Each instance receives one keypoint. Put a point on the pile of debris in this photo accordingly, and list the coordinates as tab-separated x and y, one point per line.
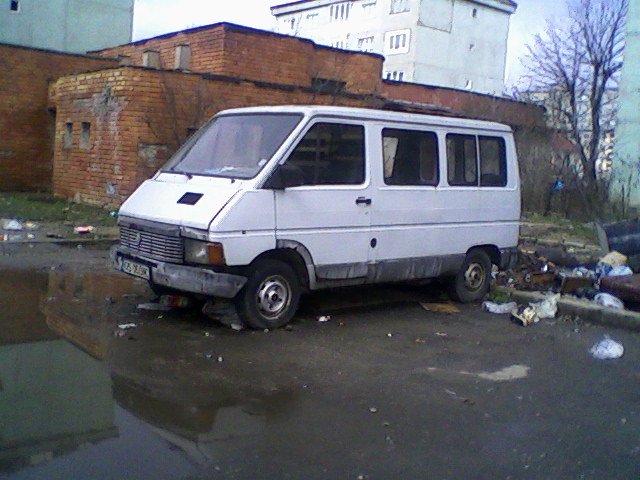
612	279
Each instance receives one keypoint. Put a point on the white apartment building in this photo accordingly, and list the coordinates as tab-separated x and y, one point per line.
451	43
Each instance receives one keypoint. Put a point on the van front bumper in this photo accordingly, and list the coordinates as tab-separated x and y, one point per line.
181	277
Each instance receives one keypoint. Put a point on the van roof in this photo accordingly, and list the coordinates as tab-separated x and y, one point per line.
373	114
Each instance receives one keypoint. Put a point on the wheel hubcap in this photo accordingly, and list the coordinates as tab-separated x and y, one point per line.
474	277
274	296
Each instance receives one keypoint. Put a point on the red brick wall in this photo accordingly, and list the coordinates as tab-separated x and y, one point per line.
474	105
25	121
232	50
138	117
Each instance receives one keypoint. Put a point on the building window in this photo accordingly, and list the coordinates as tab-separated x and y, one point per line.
183	57
67	138
396	75
339	12
474	13
151	59
342	44
397	41
365	44
410	157
399	6
369	9
85	135
14	6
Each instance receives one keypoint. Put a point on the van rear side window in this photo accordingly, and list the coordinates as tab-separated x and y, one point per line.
330	154
462	163
493	162
410	157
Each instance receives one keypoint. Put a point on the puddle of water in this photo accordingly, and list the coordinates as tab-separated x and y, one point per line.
64	413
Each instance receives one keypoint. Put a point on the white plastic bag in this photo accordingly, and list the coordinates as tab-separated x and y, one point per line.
609	301
607	349
547	308
500	308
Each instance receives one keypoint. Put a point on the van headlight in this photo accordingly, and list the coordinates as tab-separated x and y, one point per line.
204	253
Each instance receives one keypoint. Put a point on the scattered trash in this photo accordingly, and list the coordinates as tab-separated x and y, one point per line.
83	230
420	340
10	224
609	301
220	359
30	236
323	318
500	308
546	308
389	334
571	284
447	308
154	306
31	225
620	271
179	301
626	288
205	334
373	409
615	259
54	235
525	316
440	334
607	349
558	257
126	326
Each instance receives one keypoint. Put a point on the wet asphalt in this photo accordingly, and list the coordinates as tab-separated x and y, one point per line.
91	387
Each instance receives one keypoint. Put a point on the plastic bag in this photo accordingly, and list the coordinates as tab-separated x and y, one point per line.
546	308
607	349
621	271
500	308
609	301
615	259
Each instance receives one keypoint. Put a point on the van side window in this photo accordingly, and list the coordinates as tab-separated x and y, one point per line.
493	162
410	157
330	154
462	167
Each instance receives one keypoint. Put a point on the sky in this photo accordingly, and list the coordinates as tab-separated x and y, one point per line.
156	17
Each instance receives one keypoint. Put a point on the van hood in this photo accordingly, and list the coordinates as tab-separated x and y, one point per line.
183	204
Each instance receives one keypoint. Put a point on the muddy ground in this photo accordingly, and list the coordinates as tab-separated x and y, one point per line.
384	389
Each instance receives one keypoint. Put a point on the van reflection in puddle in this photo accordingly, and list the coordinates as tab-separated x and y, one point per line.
203	424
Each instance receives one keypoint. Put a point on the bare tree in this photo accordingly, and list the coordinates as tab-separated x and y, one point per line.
572	69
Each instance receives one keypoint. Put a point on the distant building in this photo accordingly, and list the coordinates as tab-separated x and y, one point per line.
625	184
72	26
451	43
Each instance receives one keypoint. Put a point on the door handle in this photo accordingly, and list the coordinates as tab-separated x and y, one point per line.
362	200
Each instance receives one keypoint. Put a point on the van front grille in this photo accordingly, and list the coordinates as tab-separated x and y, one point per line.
154	246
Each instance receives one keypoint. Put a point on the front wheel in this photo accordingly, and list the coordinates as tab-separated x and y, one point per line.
271	295
474	278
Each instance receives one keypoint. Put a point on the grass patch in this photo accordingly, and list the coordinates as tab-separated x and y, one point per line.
42	207
569	227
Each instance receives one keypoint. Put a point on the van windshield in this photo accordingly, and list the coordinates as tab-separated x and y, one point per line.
233	146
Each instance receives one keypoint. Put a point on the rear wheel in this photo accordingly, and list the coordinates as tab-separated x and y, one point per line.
474	278
271	295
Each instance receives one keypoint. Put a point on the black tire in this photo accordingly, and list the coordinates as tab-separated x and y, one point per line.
473	280
270	297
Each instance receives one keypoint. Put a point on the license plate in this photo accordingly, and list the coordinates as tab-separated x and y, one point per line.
136	269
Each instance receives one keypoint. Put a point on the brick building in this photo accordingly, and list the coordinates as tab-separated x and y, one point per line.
117	122
26	122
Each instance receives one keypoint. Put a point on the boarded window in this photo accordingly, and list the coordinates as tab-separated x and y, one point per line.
410	157
462	166
67	138
493	162
85	135
399	6
151	59
183	57
330	154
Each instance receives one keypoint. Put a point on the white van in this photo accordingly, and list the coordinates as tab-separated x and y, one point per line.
264	203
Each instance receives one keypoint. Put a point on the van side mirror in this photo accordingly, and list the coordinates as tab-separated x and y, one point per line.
283	177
